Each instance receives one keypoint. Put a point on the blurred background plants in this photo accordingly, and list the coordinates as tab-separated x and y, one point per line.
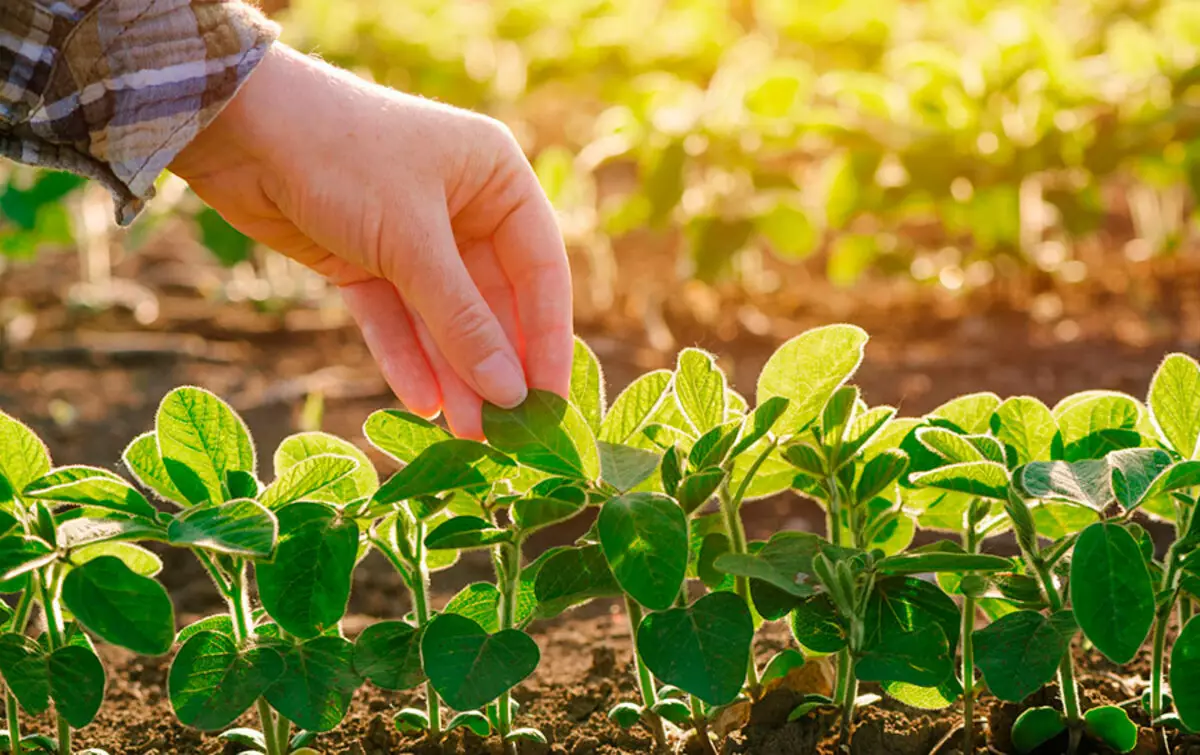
944	140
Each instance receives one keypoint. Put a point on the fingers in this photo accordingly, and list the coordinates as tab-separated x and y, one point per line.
461	405
530	249
435	283
388	332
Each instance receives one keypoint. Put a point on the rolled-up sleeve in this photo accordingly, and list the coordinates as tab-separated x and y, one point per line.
114	89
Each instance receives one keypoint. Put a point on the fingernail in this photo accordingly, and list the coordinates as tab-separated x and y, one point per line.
501	380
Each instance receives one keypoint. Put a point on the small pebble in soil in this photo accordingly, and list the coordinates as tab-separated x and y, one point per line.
585	746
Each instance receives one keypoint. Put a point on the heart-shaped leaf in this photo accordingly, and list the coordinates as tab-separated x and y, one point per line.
479	602
816	625
307	586
912	632
1035	727
808	369
1111	591
120	606
76	683
546	433
1019	653
239	528
703	649
573	576
212	682
317	683
201	438
448	465
1111	725
23	666
401	435
388	655
644	538
469	667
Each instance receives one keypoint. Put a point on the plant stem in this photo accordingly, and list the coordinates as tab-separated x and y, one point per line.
243	627
267	720
851	696
645	681
834	517
1186	610
737	544
971	542
419	588
700	722
283	734
508	569
1161	619
1066	667
56	636
19	621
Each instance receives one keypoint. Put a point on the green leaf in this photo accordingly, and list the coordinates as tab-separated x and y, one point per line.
712	547
80	532
23	666
587	385
984	479
970	414
922	563
1182	475
239	528
816	625
712	448
880	472
1111	591
781	664
625	715
760	422
645	541
1094	423
120	606
1184	673
401	435
808	369
479	602
463	532
1026	428
306	477
703	649
359	484
573	576
469	667
925	698
448	465
635	407
675	711
145	463
525	734
837	414
23	456
698	488
546	433
90	486
805	458
625	467
473	720
21	554
1035	727
1087	482
700	389
414	721
200	439
864	429
1111	725
307	586
212	682
787	226
1134	471
388	655
137	558
76	684
535	513
912	630
1057	520
1019	653
317	683
220	623
1174	403
244	737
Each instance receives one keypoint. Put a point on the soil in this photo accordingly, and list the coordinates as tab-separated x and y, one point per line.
89	380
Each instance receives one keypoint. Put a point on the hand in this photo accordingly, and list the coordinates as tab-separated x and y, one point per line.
428	218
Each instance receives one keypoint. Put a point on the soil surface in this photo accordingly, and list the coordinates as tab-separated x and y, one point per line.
89	380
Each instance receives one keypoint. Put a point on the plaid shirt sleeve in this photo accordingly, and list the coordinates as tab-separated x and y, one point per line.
114	89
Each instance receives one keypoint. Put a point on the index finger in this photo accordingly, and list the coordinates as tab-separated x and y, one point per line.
531	252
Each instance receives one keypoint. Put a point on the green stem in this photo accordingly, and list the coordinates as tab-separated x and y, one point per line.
700	722
20	620
267	720
645	681
419	587
834	517
851	696
243	627
56	636
971	541
737	544
283	734
1066	667
1186	610
1161	619
508	569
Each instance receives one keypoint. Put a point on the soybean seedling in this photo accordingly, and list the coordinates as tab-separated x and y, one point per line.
65	545
296	537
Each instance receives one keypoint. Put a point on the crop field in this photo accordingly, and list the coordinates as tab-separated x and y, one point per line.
882	436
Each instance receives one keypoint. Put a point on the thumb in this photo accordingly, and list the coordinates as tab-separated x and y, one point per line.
434	281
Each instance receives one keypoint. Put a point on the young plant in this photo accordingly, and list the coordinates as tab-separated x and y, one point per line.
66	545
1070	476
297	538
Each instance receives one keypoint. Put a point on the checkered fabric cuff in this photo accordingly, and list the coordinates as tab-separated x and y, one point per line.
114	89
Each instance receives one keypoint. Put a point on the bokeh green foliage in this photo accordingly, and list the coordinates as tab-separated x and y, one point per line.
868	131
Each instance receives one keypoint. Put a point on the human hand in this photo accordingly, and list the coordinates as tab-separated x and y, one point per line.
428	218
